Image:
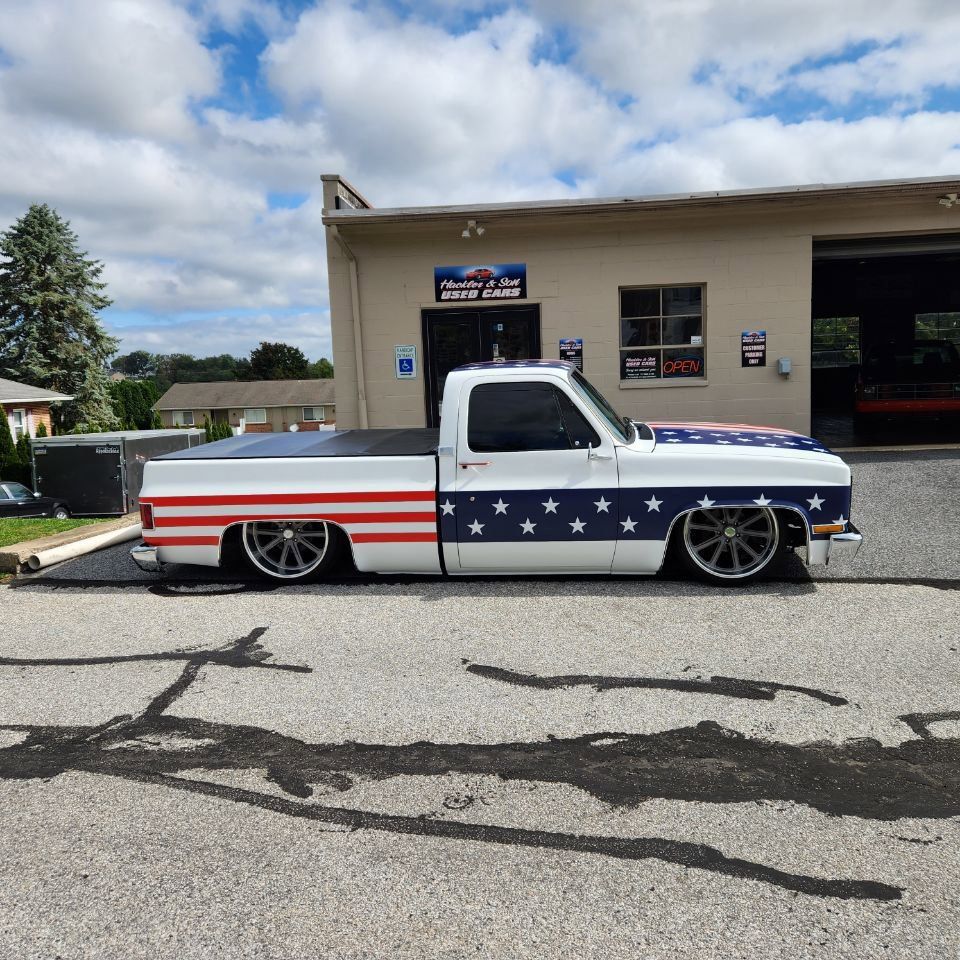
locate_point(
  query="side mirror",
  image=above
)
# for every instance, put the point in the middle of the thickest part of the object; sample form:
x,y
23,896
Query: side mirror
x,y
36,494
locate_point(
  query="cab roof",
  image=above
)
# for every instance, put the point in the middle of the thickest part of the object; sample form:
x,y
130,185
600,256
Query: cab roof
x,y
516,365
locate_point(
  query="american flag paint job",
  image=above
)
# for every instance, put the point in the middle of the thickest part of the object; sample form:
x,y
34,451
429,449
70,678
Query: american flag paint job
x,y
366,516
633,513
735,435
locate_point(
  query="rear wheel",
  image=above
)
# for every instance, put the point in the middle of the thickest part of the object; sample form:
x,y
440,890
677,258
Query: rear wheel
x,y
730,544
292,550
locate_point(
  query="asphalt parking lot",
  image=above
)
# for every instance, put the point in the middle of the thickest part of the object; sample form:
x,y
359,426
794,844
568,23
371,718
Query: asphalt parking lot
x,y
196,766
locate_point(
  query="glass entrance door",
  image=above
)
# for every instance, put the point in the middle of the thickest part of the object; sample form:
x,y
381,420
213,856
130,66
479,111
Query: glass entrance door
x,y
454,337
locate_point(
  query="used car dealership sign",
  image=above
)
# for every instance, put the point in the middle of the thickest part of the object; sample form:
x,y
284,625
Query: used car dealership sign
x,y
496,281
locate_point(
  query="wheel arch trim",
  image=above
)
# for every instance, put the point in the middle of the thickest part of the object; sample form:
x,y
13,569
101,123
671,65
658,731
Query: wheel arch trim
x,y
775,507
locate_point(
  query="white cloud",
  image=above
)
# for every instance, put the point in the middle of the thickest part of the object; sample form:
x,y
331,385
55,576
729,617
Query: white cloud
x,y
127,66
757,152
422,114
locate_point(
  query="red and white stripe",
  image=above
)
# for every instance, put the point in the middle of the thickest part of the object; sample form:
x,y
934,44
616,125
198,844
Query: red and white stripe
x,y
368,517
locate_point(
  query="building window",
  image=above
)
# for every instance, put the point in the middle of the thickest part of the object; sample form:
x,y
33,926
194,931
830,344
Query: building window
x,y
836,342
937,326
255,415
314,414
661,333
18,423
183,418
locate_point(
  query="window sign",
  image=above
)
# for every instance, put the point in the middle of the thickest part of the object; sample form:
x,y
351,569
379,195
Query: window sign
x,y
571,350
494,281
637,365
406,361
753,348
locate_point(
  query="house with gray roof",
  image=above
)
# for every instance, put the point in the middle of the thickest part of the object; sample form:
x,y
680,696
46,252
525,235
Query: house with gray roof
x,y
255,406
26,407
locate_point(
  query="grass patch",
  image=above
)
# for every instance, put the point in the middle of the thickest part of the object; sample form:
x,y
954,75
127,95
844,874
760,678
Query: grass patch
x,y
15,530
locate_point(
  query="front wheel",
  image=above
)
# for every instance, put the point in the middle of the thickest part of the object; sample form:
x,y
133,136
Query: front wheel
x,y
729,545
61,513
292,550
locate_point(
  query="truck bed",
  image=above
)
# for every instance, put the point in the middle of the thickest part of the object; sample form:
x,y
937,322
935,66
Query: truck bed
x,y
316,443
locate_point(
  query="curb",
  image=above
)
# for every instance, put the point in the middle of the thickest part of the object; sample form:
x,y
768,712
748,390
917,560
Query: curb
x,y
912,448
15,555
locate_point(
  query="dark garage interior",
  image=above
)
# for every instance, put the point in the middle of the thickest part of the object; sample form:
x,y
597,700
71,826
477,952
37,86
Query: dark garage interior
x,y
886,341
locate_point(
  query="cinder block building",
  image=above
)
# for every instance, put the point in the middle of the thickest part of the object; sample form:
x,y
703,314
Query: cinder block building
x,y
751,305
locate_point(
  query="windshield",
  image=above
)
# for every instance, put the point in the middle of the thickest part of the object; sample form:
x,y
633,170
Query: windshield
x,y
601,407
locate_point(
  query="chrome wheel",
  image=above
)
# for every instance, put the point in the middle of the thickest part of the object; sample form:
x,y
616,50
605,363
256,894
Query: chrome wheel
x,y
286,549
731,543
60,513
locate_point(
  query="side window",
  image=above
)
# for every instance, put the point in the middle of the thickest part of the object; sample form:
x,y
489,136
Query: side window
x,y
18,491
579,432
509,417
3,493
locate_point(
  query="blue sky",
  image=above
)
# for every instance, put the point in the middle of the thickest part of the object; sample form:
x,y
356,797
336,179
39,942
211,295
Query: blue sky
x,y
185,138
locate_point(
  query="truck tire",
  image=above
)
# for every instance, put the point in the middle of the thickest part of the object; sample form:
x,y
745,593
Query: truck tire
x,y
292,551
730,546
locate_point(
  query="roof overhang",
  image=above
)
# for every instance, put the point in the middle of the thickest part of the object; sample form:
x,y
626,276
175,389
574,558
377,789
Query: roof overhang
x,y
57,399
870,190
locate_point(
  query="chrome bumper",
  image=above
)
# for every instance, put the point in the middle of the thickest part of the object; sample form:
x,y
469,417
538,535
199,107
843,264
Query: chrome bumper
x,y
145,557
844,546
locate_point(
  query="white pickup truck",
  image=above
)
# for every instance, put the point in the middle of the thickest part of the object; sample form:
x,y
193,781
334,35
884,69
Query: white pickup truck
x,y
531,472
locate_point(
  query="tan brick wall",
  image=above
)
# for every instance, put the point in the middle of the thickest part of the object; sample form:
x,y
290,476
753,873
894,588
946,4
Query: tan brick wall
x,y
755,263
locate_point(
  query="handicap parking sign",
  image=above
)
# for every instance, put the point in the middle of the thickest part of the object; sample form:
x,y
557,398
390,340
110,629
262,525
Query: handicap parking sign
x,y
406,361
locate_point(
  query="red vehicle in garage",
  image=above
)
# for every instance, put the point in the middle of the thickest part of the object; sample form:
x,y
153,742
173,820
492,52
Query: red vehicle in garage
x,y
914,378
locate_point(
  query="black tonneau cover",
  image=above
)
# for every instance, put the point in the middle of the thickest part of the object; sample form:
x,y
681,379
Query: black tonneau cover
x,y
316,443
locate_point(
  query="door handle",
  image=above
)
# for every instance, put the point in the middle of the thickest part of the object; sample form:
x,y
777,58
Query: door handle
x,y
474,463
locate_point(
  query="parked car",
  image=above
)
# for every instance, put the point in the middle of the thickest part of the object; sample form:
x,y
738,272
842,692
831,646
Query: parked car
x,y
916,378
531,472
16,500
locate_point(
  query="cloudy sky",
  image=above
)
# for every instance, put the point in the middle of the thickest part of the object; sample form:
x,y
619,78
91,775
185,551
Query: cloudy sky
x,y
185,139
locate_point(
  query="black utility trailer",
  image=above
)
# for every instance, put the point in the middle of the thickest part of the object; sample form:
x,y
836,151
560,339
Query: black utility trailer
x,y
100,474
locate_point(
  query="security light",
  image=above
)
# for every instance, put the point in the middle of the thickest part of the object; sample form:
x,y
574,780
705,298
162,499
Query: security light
x,y
472,226
947,200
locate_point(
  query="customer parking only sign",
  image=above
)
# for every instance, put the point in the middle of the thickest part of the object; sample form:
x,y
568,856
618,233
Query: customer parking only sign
x,y
481,281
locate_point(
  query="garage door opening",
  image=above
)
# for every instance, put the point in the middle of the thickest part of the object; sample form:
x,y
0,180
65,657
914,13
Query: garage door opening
x,y
886,341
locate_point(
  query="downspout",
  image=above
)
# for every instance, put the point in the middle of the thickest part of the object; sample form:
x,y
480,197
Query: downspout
x,y
357,336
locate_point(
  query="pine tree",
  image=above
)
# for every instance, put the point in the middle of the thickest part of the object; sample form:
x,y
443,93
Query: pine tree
x,y
207,429
8,450
41,429
50,335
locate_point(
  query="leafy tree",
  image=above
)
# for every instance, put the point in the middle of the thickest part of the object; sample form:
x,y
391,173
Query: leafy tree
x,y
278,361
50,335
207,428
137,365
322,369
156,422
